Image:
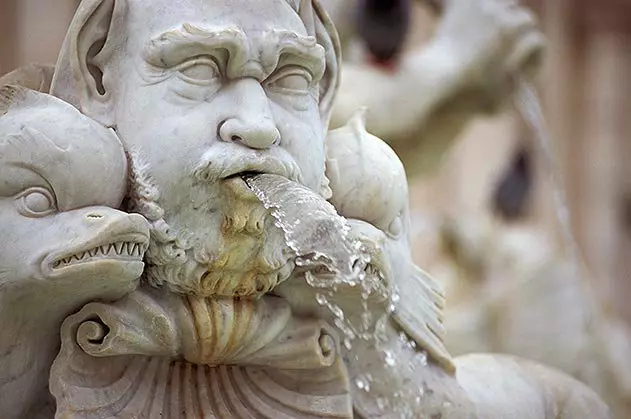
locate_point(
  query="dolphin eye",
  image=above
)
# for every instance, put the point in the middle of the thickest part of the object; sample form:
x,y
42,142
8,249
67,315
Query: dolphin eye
x,y
36,202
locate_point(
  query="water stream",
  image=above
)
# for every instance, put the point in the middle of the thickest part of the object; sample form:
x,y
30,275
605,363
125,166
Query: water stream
x,y
330,259
333,263
528,103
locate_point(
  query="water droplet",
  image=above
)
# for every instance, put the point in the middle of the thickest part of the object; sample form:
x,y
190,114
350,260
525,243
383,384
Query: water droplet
x,y
366,319
363,382
321,299
421,358
395,298
347,344
337,311
389,358
382,403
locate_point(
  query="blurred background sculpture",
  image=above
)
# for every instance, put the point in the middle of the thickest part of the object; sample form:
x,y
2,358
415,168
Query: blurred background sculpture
x,y
512,290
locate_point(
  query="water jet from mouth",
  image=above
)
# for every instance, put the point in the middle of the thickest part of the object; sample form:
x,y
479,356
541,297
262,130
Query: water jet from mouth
x,y
333,263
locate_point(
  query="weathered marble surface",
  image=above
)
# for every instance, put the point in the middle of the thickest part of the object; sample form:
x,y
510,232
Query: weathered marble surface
x,y
200,93
63,244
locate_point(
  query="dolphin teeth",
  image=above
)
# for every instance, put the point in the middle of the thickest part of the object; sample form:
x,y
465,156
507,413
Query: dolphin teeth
x,y
135,250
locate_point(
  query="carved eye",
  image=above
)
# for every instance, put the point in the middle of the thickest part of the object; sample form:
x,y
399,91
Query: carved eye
x,y
396,226
292,80
36,202
201,71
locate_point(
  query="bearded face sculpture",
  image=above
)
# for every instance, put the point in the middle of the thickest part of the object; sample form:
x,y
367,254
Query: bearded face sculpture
x,y
199,98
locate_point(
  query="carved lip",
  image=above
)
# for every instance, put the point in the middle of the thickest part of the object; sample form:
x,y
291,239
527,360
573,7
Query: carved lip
x,y
123,248
267,165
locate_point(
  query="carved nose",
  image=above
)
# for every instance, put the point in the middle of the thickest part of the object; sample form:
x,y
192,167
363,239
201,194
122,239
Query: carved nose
x,y
252,123
259,134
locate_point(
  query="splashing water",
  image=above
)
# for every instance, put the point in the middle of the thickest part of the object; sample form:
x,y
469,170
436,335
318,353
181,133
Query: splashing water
x,y
329,257
528,103
324,239
333,260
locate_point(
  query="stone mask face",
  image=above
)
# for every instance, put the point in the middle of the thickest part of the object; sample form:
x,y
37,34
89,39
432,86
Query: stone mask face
x,y
201,94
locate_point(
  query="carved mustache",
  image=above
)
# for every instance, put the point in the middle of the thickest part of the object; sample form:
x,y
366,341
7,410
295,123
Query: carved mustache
x,y
216,165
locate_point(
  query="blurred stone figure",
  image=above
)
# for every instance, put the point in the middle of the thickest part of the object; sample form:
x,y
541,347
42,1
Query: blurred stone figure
x,y
32,76
511,197
465,69
510,289
384,25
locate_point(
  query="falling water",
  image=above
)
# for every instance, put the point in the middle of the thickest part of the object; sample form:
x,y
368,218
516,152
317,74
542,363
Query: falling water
x,y
528,103
332,260
324,239
326,253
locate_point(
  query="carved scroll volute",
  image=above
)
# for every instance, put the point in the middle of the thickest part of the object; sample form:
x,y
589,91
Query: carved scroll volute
x,y
160,355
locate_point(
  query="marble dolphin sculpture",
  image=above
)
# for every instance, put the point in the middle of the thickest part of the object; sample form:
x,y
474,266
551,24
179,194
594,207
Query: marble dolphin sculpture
x,y
63,244
372,187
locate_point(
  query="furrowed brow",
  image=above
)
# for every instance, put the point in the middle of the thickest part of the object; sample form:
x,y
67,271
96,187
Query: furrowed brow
x,y
176,46
292,48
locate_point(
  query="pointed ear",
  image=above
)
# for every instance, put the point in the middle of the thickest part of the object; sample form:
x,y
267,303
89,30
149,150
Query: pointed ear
x,y
78,77
320,25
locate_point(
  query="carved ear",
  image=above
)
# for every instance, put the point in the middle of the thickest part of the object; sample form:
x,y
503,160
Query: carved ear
x,y
78,77
321,26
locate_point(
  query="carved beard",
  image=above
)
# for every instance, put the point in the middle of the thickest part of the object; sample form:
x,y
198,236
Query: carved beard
x,y
247,258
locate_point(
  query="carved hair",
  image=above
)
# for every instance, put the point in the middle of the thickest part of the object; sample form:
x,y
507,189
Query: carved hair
x,y
184,268
88,46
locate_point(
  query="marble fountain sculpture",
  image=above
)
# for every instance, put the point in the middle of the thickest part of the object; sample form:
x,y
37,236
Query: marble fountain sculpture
x,y
256,299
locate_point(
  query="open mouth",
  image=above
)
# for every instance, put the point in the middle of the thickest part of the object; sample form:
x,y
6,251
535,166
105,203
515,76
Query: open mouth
x,y
125,251
238,184
245,174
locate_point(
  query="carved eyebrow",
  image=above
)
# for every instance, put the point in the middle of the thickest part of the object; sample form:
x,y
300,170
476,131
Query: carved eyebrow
x,y
293,48
176,46
173,47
